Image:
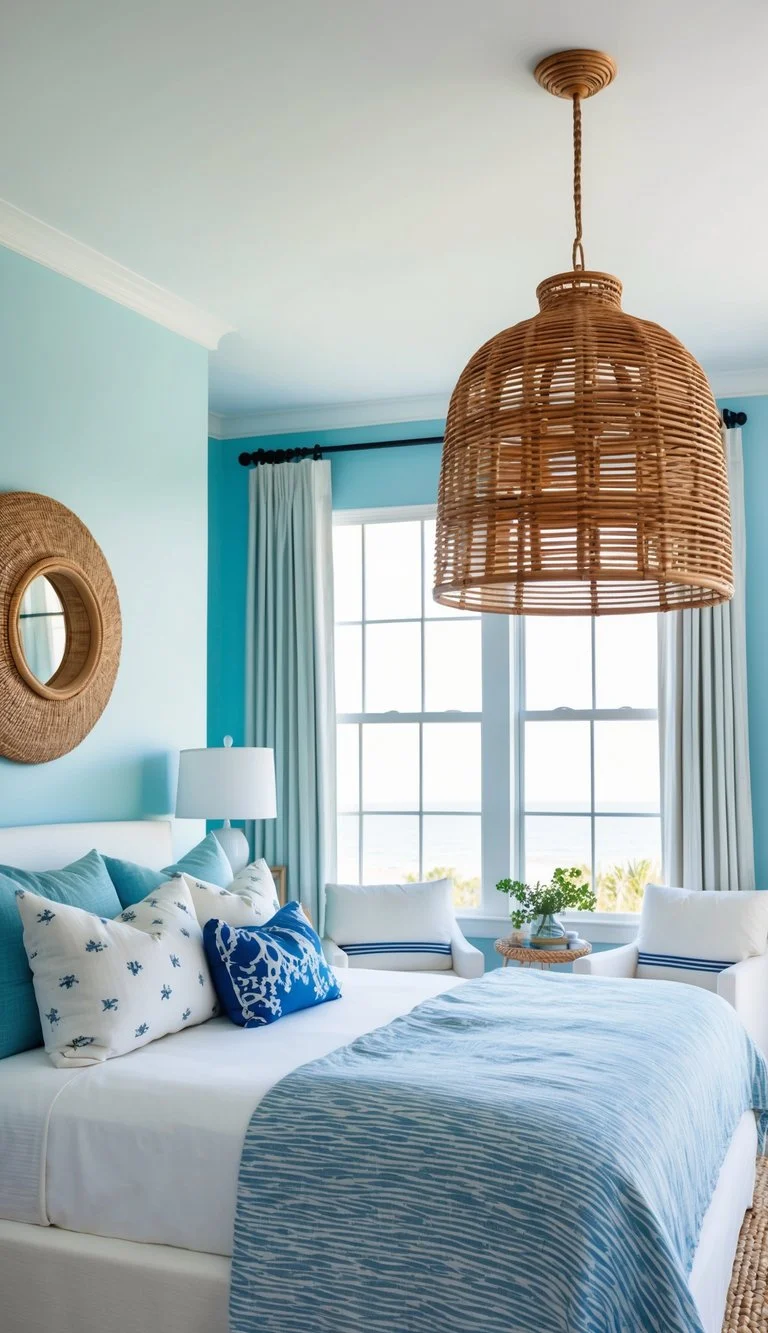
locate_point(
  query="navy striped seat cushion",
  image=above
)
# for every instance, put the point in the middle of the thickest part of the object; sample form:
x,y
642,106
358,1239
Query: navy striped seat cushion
x,y
403,927
687,964
396,947
674,967
693,936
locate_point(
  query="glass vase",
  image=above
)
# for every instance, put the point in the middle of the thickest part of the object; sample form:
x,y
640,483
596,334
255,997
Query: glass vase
x,y
549,928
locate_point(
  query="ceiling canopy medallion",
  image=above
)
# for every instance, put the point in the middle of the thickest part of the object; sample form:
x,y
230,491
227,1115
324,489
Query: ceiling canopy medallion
x,y
583,469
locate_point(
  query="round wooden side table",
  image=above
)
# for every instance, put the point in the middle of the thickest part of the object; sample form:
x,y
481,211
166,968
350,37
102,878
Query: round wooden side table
x,y
526,957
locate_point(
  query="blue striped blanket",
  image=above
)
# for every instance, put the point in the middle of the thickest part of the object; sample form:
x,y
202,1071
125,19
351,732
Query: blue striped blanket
x,y
526,1152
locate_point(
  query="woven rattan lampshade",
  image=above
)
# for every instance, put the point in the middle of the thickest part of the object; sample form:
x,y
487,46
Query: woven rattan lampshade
x,y
583,468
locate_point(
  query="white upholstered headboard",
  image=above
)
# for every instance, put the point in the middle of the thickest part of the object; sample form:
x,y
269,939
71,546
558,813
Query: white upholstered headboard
x,y
50,846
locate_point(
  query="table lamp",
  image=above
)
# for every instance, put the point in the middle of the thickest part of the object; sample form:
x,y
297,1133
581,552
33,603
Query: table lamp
x,y
229,782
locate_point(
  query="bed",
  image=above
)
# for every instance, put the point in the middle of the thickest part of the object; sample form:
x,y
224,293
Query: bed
x,y
118,1182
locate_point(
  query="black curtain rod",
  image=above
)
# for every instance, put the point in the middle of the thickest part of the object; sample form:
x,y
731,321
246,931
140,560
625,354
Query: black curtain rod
x,y
318,451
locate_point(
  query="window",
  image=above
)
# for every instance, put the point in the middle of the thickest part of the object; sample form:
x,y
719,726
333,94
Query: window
x,y
588,767
409,701
547,725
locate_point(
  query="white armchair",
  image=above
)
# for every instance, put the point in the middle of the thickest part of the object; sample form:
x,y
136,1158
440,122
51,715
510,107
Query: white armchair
x,y
333,954
715,940
400,927
467,960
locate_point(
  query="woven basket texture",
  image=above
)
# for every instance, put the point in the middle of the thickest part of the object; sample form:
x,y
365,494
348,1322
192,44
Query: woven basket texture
x,y
583,470
34,728
747,1308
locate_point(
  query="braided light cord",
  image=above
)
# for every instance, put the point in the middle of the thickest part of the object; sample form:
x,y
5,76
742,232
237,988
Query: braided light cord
x,y
578,248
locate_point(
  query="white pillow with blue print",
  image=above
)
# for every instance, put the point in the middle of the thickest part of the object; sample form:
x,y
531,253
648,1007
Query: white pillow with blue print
x,y
405,927
105,987
250,900
693,935
256,883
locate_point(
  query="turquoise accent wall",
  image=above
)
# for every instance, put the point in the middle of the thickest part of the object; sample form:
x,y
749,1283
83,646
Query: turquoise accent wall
x,y
755,441
107,412
360,481
409,476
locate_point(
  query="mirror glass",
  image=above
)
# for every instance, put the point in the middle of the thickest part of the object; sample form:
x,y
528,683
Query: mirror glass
x,y
42,629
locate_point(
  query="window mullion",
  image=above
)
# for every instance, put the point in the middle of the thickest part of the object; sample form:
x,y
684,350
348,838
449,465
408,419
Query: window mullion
x,y
593,866
518,695
502,720
496,751
423,709
363,686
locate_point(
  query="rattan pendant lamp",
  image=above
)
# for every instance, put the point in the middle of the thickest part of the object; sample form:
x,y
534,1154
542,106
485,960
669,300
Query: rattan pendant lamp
x,y
583,470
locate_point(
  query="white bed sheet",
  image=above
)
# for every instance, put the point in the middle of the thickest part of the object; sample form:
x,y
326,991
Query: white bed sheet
x,y
147,1147
29,1089
75,1283
710,1275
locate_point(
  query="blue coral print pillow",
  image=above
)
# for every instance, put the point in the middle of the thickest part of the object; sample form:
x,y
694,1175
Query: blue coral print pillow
x,y
262,973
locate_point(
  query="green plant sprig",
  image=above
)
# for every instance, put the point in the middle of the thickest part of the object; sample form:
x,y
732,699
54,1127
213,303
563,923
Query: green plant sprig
x,y
567,888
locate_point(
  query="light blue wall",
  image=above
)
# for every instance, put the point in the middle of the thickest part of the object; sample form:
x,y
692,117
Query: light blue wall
x,y
409,476
107,412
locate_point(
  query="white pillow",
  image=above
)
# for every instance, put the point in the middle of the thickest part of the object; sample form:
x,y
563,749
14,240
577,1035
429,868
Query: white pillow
x,y
689,935
256,881
406,927
242,908
106,987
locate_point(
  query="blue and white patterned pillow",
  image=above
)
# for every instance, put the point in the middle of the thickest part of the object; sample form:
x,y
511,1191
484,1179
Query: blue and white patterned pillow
x,y
83,884
248,901
106,987
262,973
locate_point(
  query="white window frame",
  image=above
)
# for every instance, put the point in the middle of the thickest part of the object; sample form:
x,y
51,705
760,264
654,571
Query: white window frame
x,y
418,513
502,756
610,927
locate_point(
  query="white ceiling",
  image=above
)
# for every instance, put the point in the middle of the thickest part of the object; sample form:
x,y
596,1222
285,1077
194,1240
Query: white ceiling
x,y
368,189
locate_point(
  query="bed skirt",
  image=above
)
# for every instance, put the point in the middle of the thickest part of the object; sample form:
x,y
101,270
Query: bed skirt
x,y
55,1281
69,1282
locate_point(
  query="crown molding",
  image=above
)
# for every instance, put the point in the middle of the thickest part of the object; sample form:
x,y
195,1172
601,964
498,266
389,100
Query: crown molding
x,y
390,411
53,249
739,383
216,426
334,416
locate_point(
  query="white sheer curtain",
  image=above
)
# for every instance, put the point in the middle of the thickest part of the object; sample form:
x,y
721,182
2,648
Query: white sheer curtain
x,y
706,799
290,704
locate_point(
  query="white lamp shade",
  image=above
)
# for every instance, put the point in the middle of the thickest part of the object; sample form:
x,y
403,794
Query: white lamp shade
x,y
231,782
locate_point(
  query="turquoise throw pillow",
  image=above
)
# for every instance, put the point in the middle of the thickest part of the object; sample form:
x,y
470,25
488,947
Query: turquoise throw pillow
x,y
132,882
207,861
263,972
84,884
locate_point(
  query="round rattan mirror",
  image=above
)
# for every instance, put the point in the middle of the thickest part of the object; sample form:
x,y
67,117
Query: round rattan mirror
x,y
60,645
